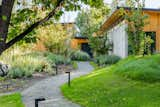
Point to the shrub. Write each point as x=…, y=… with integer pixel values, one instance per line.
x=140, y=68
x=53, y=39
x=57, y=59
x=1, y=79
x=80, y=56
x=107, y=59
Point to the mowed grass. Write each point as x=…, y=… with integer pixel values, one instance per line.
x=13, y=100
x=105, y=88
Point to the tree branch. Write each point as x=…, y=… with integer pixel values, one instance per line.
x=36, y=24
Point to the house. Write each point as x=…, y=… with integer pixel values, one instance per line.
x=116, y=25
x=77, y=41
x=81, y=42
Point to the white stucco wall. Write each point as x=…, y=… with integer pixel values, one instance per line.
x=119, y=38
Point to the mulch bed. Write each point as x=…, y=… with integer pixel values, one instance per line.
x=14, y=85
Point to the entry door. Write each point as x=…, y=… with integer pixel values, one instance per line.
x=86, y=48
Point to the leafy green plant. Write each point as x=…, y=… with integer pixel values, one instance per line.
x=89, y=22
x=54, y=38
x=107, y=59
x=136, y=21
x=74, y=64
x=80, y=56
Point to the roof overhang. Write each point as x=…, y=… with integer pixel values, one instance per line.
x=81, y=37
x=117, y=16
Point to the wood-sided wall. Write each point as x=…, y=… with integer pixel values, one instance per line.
x=153, y=26
x=75, y=43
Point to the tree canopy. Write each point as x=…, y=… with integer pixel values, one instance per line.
x=89, y=22
x=19, y=18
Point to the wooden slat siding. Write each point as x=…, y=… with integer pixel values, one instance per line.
x=158, y=35
x=75, y=42
x=154, y=26
x=153, y=22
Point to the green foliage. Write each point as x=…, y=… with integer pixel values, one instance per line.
x=21, y=19
x=136, y=20
x=147, y=44
x=25, y=66
x=140, y=68
x=58, y=59
x=102, y=88
x=25, y=63
x=1, y=79
x=103, y=60
x=54, y=38
x=89, y=22
x=75, y=65
x=26, y=13
x=80, y=56
x=12, y=100
x=99, y=45
x=95, y=65
x=4, y=18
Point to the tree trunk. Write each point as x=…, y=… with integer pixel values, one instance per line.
x=5, y=16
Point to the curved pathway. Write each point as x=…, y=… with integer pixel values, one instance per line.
x=49, y=89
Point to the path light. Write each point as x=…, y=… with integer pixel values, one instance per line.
x=56, y=67
x=38, y=100
x=69, y=78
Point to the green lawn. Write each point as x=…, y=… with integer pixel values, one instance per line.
x=13, y=100
x=104, y=88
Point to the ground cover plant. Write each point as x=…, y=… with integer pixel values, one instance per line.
x=24, y=64
x=58, y=59
x=79, y=56
x=140, y=68
x=103, y=60
x=13, y=100
x=75, y=65
x=108, y=88
x=95, y=65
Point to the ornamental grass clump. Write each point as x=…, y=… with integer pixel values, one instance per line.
x=25, y=66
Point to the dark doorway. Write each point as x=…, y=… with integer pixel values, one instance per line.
x=153, y=37
x=86, y=48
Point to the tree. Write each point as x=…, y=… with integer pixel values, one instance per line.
x=89, y=22
x=51, y=7
x=136, y=21
x=54, y=38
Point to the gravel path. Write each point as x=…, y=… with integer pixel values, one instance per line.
x=49, y=89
